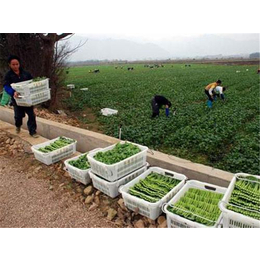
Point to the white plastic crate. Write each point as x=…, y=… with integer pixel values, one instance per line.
x=145, y=208
x=34, y=99
x=118, y=170
x=108, y=111
x=176, y=221
x=76, y=173
x=55, y=156
x=28, y=87
x=233, y=219
x=111, y=188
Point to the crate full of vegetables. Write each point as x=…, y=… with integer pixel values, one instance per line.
x=54, y=150
x=112, y=188
x=149, y=191
x=241, y=204
x=117, y=160
x=78, y=168
x=30, y=87
x=195, y=206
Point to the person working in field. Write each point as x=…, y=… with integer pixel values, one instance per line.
x=157, y=102
x=219, y=92
x=209, y=91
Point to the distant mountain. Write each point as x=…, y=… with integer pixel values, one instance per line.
x=112, y=49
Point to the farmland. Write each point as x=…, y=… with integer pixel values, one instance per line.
x=225, y=137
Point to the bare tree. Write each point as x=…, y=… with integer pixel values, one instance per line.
x=40, y=54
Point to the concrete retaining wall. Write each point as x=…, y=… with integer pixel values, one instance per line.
x=88, y=140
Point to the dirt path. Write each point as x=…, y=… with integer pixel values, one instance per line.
x=29, y=202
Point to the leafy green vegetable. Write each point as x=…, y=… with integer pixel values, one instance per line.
x=118, y=153
x=81, y=163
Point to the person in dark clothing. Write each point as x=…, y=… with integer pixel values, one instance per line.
x=157, y=102
x=14, y=75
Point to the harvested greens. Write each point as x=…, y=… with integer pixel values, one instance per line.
x=154, y=187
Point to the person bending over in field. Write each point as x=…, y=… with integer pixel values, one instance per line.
x=219, y=92
x=209, y=91
x=157, y=102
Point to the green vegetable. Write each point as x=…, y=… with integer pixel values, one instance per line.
x=61, y=142
x=38, y=79
x=81, y=163
x=245, y=197
x=153, y=187
x=118, y=153
x=197, y=205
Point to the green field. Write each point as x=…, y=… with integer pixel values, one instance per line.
x=225, y=137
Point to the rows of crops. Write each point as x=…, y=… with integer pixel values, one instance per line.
x=226, y=136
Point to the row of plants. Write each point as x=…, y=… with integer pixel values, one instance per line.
x=218, y=137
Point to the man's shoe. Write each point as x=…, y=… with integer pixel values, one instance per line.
x=35, y=136
x=18, y=130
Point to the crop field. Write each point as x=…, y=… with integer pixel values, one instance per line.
x=225, y=137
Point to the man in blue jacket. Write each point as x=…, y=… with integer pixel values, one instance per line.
x=14, y=75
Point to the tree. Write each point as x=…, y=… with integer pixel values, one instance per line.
x=255, y=55
x=41, y=54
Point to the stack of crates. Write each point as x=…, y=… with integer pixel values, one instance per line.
x=32, y=93
x=108, y=178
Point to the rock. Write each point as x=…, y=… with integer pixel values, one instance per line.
x=119, y=223
x=96, y=200
x=121, y=214
x=111, y=213
x=152, y=226
x=121, y=204
x=93, y=206
x=88, y=190
x=89, y=199
x=79, y=190
x=51, y=187
x=8, y=141
x=150, y=221
x=163, y=225
x=139, y=224
x=98, y=192
x=66, y=174
x=160, y=220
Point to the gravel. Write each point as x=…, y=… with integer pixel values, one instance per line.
x=29, y=202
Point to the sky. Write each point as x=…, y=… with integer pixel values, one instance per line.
x=131, y=47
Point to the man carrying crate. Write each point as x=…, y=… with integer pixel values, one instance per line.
x=14, y=75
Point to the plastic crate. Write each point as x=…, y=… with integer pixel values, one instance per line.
x=145, y=208
x=28, y=87
x=233, y=219
x=76, y=173
x=176, y=221
x=118, y=170
x=55, y=156
x=111, y=188
x=34, y=99
x=108, y=111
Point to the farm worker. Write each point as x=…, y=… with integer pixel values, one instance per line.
x=157, y=102
x=14, y=75
x=218, y=91
x=209, y=91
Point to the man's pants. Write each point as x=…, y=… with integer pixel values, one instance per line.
x=209, y=96
x=155, y=108
x=19, y=114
